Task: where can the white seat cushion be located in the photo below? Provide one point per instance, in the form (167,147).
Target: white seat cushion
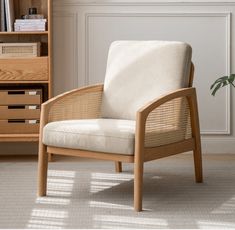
(102,135)
(140,71)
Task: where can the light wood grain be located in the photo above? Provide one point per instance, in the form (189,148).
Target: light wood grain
(11,97)
(139,161)
(118,166)
(32,137)
(49,43)
(18,127)
(19,99)
(42,158)
(24,69)
(24,33)
(197,152)
(191,75)
(19,71)
(7,112)
(89,154)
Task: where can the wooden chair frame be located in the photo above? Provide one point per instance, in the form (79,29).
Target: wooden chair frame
(142,154)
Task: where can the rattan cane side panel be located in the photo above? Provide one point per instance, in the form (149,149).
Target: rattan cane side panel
(77,106)
(168,123)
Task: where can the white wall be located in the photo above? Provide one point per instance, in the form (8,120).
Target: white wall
(83,31)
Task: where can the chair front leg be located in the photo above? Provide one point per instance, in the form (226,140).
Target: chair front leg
(197,155)
(138,182)
(42,170)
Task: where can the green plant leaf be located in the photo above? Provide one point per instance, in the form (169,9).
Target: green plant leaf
(222,82)
(231,78)
(225,83)
(219,80)
(216,89)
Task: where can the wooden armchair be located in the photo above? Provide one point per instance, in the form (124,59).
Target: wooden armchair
(162,124)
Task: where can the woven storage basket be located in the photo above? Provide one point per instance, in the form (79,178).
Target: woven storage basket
(19,50)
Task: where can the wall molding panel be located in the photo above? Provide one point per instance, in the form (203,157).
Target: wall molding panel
(90,19)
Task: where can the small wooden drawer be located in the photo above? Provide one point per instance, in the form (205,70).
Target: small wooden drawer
(21,97)
(24,69)
(20,112)
(18,126)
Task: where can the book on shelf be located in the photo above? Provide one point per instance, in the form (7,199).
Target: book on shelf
(30,25)
(10,16)
(3,26)
(25,21)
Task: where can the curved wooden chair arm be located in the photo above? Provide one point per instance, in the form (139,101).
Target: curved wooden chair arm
(184,92)
(166,120)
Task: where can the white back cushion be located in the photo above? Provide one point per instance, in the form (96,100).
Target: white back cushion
(140,71)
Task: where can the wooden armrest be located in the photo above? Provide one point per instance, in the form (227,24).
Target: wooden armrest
(79,103)
(166,119)
(184,92)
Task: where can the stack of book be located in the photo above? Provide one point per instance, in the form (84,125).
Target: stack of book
(30,25)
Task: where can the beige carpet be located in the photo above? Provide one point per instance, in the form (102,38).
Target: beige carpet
(88,194)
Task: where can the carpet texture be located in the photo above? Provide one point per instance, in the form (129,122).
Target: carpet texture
(89,194)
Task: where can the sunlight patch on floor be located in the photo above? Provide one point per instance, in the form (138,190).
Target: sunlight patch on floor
(215,225)
(60,181)
(61,173)
(51,210)
(59,193)
(102,181)
(113,176)
(113,221)
(97,186)
(227,207)
(49,213)
(47,218)
(52,200)
(98,204)
(45,224)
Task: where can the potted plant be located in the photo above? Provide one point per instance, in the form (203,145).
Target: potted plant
(221,82)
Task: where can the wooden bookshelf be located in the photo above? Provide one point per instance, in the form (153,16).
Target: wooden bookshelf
(22,79)
(25,33)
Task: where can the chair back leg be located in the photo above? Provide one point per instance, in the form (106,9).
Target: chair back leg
(198,165)
(118,166)
(196,135)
